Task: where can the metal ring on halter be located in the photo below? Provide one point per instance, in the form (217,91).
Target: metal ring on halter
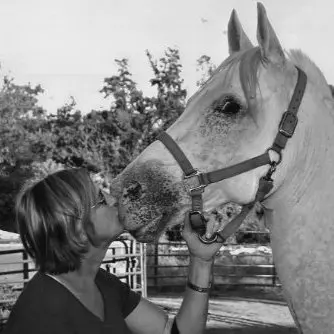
(279,155)
(197,212)
(207,241)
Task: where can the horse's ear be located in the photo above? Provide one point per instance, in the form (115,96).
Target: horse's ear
(237,38)
(270,46)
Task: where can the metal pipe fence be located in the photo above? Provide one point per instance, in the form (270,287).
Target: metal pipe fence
(167,265)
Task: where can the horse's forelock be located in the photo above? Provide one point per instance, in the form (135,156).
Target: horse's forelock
(248,61)
(249,64)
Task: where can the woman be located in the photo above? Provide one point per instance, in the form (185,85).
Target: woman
(66,226)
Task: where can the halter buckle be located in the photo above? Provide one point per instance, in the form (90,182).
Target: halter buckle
(194,182)
(288,124)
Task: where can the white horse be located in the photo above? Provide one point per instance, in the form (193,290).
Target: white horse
(234,117)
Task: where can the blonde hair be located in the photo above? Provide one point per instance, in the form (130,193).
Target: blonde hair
(53,218)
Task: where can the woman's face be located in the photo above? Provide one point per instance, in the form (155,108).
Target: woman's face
(105,218)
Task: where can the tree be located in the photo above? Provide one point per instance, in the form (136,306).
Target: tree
(127,114)
(171,96)
(137,118)
(206,69)
(63,135)
(20,117)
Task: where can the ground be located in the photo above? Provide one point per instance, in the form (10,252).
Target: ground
(263,313)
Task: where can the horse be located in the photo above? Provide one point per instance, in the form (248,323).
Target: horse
(234,117)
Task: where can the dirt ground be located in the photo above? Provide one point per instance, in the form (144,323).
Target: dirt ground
(233,314)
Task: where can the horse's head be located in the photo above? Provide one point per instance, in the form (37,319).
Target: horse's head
(232,118)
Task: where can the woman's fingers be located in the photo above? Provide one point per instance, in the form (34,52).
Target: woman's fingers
(186,223)
(212,226)
(186,229)
(195,245)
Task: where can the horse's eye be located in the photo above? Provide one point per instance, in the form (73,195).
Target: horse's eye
(228,106)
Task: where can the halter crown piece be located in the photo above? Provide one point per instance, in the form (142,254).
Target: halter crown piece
(196,181)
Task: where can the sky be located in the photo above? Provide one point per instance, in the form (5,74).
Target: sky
(69,46)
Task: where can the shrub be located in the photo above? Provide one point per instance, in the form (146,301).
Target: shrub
(8,297)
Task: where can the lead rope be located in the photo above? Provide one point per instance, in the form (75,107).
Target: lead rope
(265,185)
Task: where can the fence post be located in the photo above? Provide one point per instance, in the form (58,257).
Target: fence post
(133,278)
(274,275)
(143,269)
(156,263)
(127,253)
(113,252)
(25,267)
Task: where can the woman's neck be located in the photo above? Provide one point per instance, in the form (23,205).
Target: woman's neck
(84,277)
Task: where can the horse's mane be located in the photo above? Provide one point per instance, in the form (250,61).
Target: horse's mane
(313,72)
(250,60)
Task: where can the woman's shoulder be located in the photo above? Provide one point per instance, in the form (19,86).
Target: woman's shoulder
(110,284)
(33,310)
(117,291)
(40,295)
(104,277)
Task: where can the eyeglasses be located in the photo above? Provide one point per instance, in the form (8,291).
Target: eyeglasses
(101,200)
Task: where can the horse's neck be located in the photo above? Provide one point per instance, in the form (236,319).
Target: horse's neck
(302,228)
(307,193)
(309,174)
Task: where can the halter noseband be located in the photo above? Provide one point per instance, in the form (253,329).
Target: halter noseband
(195,181)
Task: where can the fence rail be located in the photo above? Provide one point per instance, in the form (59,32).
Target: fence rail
(167,265)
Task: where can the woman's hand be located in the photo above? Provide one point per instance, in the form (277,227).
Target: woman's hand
(198,249)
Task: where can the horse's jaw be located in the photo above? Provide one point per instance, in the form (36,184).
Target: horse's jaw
(151,232)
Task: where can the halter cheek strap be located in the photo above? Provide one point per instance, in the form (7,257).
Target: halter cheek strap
(195,181)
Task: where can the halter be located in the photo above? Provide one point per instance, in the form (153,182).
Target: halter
(196,181)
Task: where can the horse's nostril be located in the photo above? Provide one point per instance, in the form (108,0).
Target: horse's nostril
(133,192)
